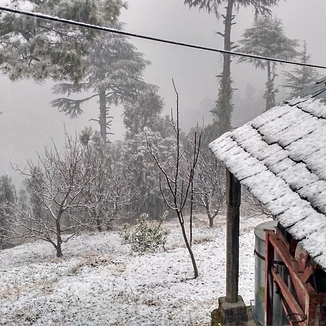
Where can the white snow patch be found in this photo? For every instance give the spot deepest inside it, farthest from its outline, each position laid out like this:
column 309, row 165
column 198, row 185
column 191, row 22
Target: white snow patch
column 101, row 282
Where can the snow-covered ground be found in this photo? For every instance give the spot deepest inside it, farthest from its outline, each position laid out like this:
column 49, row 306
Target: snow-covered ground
column 101, row 282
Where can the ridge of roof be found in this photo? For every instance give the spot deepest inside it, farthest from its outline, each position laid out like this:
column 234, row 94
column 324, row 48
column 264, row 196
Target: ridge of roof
column 316, row 90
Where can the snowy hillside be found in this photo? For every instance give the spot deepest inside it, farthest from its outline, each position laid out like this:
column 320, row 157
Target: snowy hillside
column 101, row 282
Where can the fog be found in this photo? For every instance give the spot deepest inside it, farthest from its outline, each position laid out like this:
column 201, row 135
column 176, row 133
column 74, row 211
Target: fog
column 28, row 122
column 194, row 71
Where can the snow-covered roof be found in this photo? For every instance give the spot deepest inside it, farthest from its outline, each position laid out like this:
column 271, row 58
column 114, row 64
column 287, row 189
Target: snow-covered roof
column 317, row 90
column 280, row 157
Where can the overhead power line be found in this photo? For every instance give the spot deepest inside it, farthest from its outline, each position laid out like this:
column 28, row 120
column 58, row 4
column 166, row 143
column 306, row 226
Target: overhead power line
column 154, row 39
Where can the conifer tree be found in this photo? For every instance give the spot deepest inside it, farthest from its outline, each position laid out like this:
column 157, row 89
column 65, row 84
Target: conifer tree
column 7, row 197
column 40, row 49
column 103, row 63
column 143, row 113
column 224, row 106
column 301, row 76
column 113, row 76
column 266, row 38
column 143, row 122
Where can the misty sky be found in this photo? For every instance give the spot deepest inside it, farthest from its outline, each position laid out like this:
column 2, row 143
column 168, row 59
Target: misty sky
column 195, row 71
column 29, row 122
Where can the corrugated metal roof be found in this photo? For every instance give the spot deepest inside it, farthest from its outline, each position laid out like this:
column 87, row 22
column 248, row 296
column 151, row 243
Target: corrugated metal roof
column 280, row 158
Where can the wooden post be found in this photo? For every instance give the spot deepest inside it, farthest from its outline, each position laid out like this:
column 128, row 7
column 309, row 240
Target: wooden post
column 233, row 200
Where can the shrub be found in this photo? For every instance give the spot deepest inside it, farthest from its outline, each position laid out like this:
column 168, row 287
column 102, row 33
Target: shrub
column 145, row 235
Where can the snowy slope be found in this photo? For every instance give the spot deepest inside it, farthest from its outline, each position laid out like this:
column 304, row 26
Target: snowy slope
column 101, row 282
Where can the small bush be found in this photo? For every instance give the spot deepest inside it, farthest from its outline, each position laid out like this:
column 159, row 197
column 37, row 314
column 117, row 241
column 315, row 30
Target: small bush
column 145, row 235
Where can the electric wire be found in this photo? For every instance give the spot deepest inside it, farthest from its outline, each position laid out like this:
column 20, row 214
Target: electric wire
column 155, row 39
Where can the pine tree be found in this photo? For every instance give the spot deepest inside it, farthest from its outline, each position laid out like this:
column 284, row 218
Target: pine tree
column 7, row 197
column 113, row 76
column 266, row 38
column 36, row 194
column 41, row 49
column 143, row 113
column 143, row 122
column 102, row 63
column 7, row 190
column 301, row 76
column 224, row 105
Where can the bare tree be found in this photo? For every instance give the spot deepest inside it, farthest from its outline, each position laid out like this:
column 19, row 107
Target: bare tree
column 112, row 187
column 58, row 189
column 179, row 181
column 250, row 206
column 209, row 182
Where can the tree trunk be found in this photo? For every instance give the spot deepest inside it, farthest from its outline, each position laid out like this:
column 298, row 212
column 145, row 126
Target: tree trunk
column 224, row 106
column 270, row 92
column 268, row 86
column 98, row 224
column 227, row 41
column 210, row 217
column 59, row 238
column 1, row 241
column 269, row 71
column 113, row 216
column 191, row 217
column 103, row 114
column 192, row 256
column 208, row 212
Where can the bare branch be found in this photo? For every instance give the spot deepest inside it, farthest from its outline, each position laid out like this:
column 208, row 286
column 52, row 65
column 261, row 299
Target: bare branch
column 57, row 186
column 179, row 182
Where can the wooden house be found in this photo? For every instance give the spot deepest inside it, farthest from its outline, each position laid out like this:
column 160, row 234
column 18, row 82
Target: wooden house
column 280, row 157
